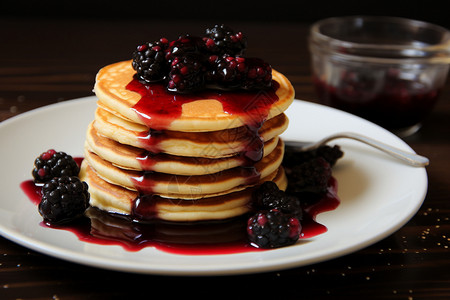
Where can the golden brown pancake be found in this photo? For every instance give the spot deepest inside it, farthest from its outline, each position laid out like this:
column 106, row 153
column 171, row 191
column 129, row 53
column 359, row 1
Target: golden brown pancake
column 196, row 143
column 214, row 144
column 198, row 115
column 133, row 158
column 189, row 187
column 113, row 198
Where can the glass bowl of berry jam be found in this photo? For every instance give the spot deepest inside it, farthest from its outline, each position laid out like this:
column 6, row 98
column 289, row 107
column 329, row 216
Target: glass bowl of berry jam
column 388, row 70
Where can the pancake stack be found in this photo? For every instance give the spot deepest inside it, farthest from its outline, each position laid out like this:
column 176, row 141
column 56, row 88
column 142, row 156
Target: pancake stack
column 151, row 154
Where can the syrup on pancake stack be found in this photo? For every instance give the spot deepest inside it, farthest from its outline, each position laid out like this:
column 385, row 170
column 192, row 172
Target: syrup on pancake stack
column 186, row 130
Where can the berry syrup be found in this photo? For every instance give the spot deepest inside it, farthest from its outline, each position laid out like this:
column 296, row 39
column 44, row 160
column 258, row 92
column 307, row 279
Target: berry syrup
column 186, row 238
column 158, row 108
column 144, row 183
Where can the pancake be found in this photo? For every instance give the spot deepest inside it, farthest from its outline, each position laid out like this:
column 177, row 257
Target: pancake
column 116, row 199
column 154, row 154
column 201, row 112
column 188, row 187
column 132, row 158
column 214, row 144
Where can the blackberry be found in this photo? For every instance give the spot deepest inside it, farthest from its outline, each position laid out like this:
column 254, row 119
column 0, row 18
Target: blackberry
column 226, row 71
column 54, row 164
column 221, row 39
column 149, row 61
column 311, row 176
column 232, row 72
column 330, row 154
column 266, row 189
column 185, row 44
column 272, row 229
column 63, row 199
column 292, row 157
column 269, row 196
column 259, row 74
column 186, row 73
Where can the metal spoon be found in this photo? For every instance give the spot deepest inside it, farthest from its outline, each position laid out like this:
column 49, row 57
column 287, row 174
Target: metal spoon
column 410, row 158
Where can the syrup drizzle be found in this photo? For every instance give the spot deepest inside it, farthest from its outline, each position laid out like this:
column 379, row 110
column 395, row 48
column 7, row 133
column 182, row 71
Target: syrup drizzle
column 187, row 238
column 147, row 160
column 158, row 108
column 143, row 207
column 146, row 182
column 150, row 140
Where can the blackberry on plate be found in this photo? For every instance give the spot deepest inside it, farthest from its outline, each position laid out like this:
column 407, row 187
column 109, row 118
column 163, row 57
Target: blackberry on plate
column 63, row 199
column 149, row 60
column 186, row 73
column 273, row 229
column 268, row 196
column 54, row 164
column 221, row 39
column 293, row 157
column 311, row 176
column 330, row 154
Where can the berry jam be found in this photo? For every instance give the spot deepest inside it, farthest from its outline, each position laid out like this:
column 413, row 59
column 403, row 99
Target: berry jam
column 144, row 184
column 397, row 105
column 158, row 108
column 32, row 190
column 187, row 238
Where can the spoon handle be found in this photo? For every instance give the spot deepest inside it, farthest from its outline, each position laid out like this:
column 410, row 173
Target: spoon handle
column 410, row 158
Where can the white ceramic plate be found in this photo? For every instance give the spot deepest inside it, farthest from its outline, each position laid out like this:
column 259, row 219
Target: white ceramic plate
column 379, row 195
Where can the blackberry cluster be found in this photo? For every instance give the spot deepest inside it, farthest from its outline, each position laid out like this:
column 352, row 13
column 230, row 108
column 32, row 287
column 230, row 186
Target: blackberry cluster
column 64, row 196
column 276, row 222
column 63, row 199
column 191, row 63
column 52, row 164
column 278, row 214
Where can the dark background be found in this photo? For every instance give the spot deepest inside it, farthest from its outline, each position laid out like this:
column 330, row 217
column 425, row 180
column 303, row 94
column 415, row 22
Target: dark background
column 269, row 11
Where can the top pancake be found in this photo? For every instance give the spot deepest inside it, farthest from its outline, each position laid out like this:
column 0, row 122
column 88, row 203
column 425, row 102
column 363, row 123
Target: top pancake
column 200, row 114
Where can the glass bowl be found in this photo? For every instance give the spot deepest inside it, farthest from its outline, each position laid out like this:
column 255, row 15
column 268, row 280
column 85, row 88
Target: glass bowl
column 388, row 70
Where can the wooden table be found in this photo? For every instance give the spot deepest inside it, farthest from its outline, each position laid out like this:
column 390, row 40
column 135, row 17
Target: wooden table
column 48, row 61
